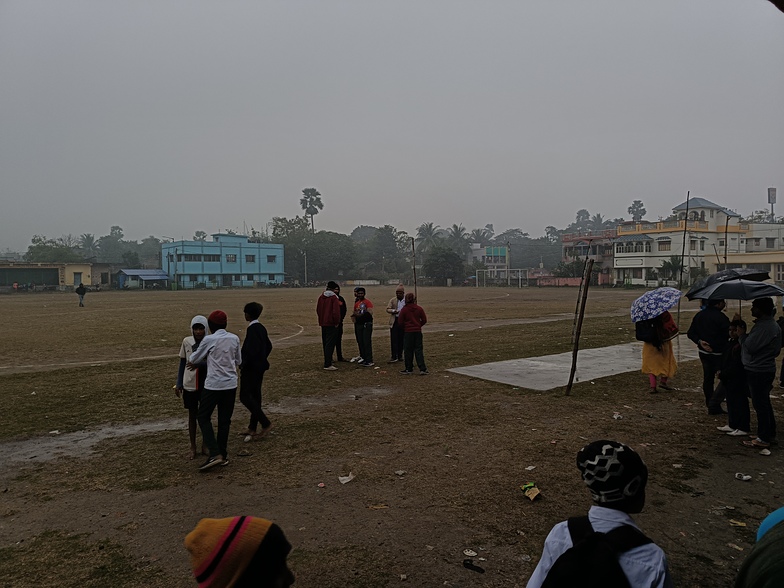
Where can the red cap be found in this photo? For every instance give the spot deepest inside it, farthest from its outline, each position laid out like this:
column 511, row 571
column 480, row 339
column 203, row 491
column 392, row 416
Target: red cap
column 218, row 317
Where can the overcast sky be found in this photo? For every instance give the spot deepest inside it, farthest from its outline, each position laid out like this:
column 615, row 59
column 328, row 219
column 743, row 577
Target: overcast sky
column 167, row 117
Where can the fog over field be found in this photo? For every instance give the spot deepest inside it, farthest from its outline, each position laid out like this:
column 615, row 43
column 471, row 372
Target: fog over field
column 174, row 116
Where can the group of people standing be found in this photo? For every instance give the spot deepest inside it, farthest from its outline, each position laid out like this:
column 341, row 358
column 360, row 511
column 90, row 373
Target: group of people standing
column 406, row 319
column 208, row 377
column 745, row 364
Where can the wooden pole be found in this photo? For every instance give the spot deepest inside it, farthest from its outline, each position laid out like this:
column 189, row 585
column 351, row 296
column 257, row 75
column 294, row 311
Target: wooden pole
column 583, row 298
column 413, row 256
column 683, row 253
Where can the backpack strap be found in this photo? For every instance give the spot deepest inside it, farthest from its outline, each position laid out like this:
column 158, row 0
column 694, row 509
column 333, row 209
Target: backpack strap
column 621, row 539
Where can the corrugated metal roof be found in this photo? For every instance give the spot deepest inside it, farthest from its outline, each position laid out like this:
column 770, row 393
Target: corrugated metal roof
column 146, row 274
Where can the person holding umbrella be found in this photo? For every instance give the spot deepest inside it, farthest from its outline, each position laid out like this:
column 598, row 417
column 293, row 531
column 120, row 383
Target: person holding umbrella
column 708, row 330
column 656, row 328
column 759, row 350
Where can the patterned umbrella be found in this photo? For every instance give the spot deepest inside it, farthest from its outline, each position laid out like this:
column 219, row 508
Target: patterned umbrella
column 653, row 303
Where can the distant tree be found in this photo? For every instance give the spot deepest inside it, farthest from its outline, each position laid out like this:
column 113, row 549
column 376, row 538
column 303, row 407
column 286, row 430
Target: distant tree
column 637, row 210
column 388, row 251
column 582, row 217
column 230, row 231
column 671, row 268
column 597, row 222
column 363, row 233
column 442, row 263
column 130, row 260
column 480, row 236
column 428, row 236
column 149, row 251
column 457, row 239
column 200, row 236
column 510, row 236
column 311, row 204
column 552, row 234
column 43, row 250
column 112, row 246
column 761, row 216
column 330, row 255
column 89, row 245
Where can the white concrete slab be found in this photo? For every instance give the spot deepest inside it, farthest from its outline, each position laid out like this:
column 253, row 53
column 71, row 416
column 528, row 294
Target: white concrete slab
column 552, row 371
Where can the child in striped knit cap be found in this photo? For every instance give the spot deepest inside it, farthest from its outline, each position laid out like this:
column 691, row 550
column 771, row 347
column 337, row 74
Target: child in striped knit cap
column 239, row 552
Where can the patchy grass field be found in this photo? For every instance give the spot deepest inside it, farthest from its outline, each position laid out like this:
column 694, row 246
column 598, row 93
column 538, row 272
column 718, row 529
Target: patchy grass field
column 117, row 506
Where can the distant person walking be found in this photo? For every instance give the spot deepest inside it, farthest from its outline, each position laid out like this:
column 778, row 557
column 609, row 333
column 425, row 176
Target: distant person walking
column 221, row 349
column 81, row 291
column 362, row 317
column 255, row 352
column 328, row 312
column 395, row 328
column 412, row 318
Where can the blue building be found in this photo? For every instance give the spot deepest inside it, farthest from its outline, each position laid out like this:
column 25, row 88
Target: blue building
column 227, row 260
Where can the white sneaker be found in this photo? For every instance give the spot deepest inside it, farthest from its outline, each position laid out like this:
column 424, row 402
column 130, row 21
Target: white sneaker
column 356, row 359
column 738, row 433
column 331, row 368
column 726, row 429
column 248, row 438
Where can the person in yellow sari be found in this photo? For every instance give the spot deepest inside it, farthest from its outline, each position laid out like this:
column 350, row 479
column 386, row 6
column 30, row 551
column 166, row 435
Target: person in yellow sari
column 658, row 360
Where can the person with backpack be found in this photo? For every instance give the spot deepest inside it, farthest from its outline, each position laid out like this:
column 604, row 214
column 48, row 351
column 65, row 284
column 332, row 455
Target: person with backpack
column 605, row 548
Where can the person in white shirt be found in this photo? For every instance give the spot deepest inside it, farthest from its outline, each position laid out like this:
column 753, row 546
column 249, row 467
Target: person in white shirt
column 222, row 352
column 616, row 477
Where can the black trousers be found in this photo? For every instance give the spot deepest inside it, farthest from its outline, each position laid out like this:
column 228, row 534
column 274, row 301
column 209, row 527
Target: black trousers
column 396, row 339
column 710, row 365
column 412, row 347
column 224, row 401
column 737, row 392
column 364, row 334
column 760, row 384
column 250, row 396
column 329, row 337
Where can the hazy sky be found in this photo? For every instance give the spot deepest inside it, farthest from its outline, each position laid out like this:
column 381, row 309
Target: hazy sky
column 167, row 117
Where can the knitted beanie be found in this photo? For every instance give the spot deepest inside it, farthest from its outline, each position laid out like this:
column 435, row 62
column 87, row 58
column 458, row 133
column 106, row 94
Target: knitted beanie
column 218, row 317
column 613, row 472
column 332, row 285
column 222, row 549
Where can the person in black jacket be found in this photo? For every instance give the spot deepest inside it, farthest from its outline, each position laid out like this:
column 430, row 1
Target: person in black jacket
column 733, row 378
column 708, row 330
column 339, row 342
column 255, row 351
column 81, row 291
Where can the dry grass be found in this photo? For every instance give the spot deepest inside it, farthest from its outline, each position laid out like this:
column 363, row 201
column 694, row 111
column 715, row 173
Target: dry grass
column 463, row 444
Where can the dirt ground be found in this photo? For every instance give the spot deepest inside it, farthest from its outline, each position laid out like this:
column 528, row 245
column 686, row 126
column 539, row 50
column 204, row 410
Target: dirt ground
column 95, row 447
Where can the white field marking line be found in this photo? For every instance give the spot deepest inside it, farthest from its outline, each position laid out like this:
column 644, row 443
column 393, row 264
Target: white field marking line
column 127, row 359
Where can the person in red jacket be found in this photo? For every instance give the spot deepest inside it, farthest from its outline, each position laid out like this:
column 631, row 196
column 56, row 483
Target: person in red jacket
column 413, row 318
column 328, row 311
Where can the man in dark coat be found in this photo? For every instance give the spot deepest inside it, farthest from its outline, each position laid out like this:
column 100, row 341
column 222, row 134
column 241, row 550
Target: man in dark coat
column 255, row 351
column 709, row 329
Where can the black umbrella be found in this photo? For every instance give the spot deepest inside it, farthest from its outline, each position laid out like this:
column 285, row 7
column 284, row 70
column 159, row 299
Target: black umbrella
column 738, row 290
column 739, row 273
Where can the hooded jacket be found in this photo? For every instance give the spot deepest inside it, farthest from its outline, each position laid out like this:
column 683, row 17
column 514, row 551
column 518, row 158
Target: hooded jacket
column 761, row 346
column 187, row 379
column 328, row 309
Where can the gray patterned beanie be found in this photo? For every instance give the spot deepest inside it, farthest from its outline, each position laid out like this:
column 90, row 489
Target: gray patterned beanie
column 613, row 472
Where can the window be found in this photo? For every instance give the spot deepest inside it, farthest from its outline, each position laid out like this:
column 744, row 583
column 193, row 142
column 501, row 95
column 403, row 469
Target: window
column 231, row 258
column 647, row 246
column 211, row 277
column 250, row 258
column 629, row 248
column 693, row 245
column 179, row 257
column 721, row 242
column 212, row 258
column 271, row 277
column 770, row 242
column 780, row 272
column 271, row 258
column 249, row 277
column 194, row 278
column 191, row 257
column 637, row 273
column 619, row 248
column 638, row 247
column 757, row 242
column 238, row 278
column 665, row 245
column 702, row 245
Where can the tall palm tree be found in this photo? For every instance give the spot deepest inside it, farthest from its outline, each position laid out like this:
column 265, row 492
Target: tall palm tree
column 428, row 235
column 597, row 222
column 672, row 267
column 89, row 244
column 480, row 236
column 457, row 236
column 311, row 204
